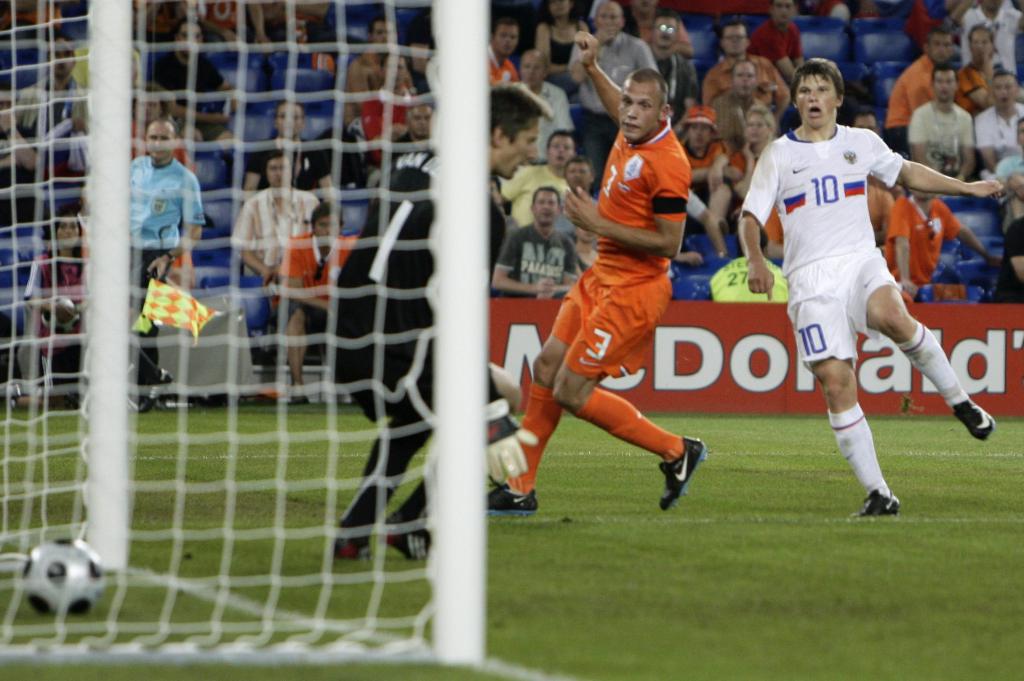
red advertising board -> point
(741, 358)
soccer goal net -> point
(166, 317)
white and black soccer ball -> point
(63, 577)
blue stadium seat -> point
(219, 212)
(981, 215)
(211, 171)
(977, 272)
(973, 294)
(75, 28)
(306, 80)
(877, 25)
(886, 73)
(853, 70)
(22, 66)
(258, 128)
(253, 70)
(695, 23)
(219, 257)
(692, 287)
(705, 44)
(824, 37)
(250, 295)
(869, 48)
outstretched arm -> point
(921, 177)
(607, 90)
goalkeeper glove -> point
(505, 440)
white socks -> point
(855, 442)
(927, 356)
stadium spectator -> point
(606, 320)
(514, 114)
(158, 19)
(18, 159)
(839, 284)
(366, 72)
(504, 39)
(270, 217)
(418, 119)
(319, 61)
(557, 24)
(758, 133)
(55, 294)
(918, 226)
(221, 21)
(578, 173)
(677, 69)
(914, 87)
(941, 134)
(732, 105)
(536, 260)
(778, 39)
(995, 128)
(209, 119)
(166, 218)
(1005, 21)
(880, 197)
(377, 120)
(533, 69)
(974, 80)
(1010, 285)
(270, 20)
(644, 20)
(310, 168)
(619, 55)
(1010, 172)
(311, 264)
(771, 90)
(520, 189)
(54, 106)
(703, 150)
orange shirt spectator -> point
(925, 234)
(914, 86)
(880, 201)
(969, 79)
(771, 88)
(769, 42)
(503, 73)
(504, 40)
(303, 261)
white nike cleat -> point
(678, 472)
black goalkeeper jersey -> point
(397, 303)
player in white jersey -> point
(816, 176)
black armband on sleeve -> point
(667, 205)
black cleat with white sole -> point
(413, 545)
(504, 501)
(879, 504)
(678, 472)
(978, 421)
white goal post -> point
(179, 585)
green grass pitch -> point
(758, 574)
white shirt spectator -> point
(1004, 27)
(992, 130)
(560, 118)
(264, 225)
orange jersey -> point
(715, 149)
(303, 261)
(640, 181)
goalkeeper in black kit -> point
(383, 290)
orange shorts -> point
(609, 328)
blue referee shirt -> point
(161, 199)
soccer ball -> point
(63, 576)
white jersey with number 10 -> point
(820, 191)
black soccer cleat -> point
(978, 421)
(877, 504)
(413, 545)
(678, 472)
(503, 501)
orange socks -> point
(620, 418)
(541, 419)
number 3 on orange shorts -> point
(602, 345)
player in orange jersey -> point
(607, 319)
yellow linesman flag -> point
(168, 305)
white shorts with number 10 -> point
(828, 302)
